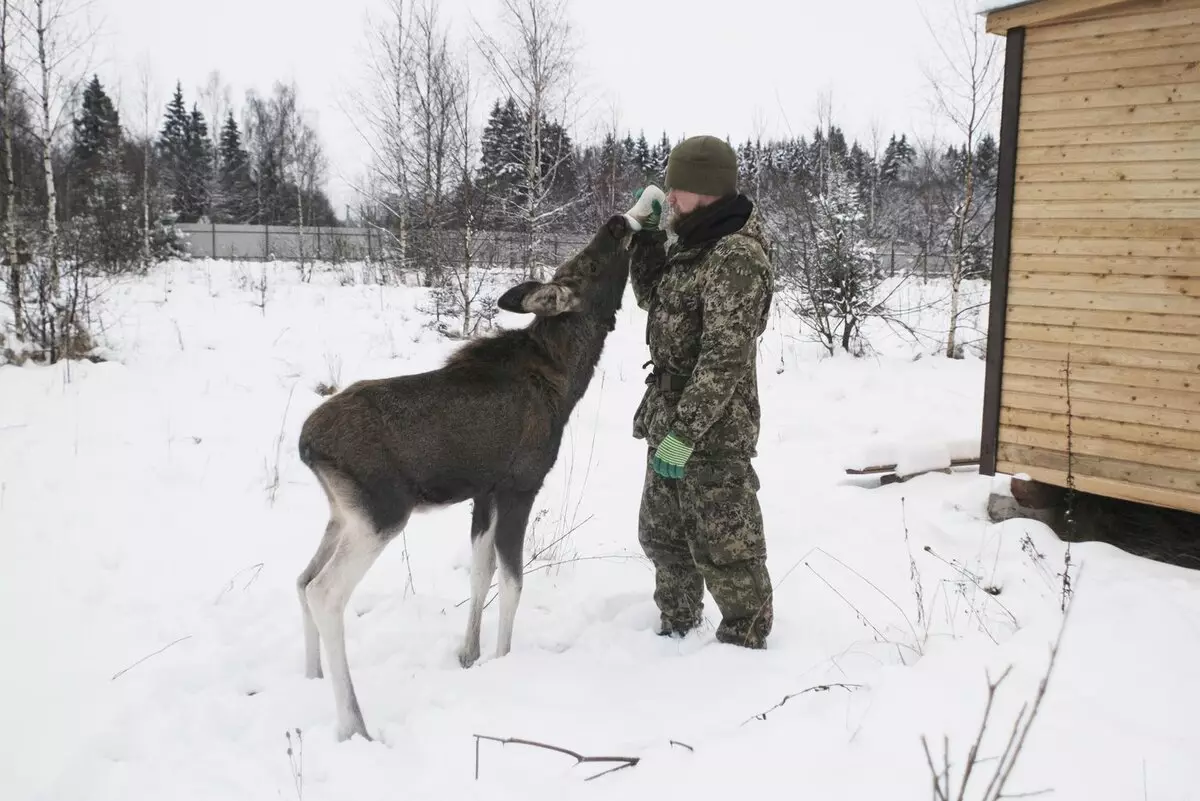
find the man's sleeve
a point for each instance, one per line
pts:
(733, 293)
(648, 258)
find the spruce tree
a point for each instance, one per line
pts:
(236, 196)
(197, 167)
(98, 126)
(101, 204)
(173, 152)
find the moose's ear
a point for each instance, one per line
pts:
(544, 300)
(551, 299)
(513, 299)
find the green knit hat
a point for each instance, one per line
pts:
(705, 165)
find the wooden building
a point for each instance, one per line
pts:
(1094, 324)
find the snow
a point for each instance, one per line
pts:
(988, 6)
(154, 516)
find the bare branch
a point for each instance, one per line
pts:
(624, 762)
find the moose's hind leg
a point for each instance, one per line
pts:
(312, 639)
(357, 544)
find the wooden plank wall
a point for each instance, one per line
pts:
(1105, 261)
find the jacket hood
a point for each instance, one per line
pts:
(756, 230)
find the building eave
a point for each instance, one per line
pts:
(1001, 17)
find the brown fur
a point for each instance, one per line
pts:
(485, 427)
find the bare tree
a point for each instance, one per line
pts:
(466, 273)
(384, 112)
(7, 103)
(433, 97)
(309, 165)
(966, 97)
(59, 68)
(535, 66)
(216, 97)
(147, 155)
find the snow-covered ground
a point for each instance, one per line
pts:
(154, 516)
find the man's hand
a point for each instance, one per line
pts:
(671, 456)
(647, 209)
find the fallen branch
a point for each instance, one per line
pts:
(876, 469)
(626, 762)
(820, 688)
(120, 673)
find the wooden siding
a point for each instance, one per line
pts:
(1105, 259)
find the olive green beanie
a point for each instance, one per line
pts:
(705, 165)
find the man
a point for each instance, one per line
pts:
(707, 294)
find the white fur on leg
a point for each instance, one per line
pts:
(483, 567)
(312, 640)
(357, 549)
(510, 598)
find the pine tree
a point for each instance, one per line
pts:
(502, 146)
(897, 157)
(101, 202)
(197, 167)
(97, 127)
(172, 153)
(662, 153)
(236, 191)
(840, 273)
(642, 160)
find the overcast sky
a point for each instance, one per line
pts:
(726, 67)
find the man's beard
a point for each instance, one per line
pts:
(671, 220)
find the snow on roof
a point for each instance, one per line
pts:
(988, 6)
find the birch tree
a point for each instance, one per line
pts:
(966, 97)
(466, 273)
(7, 103)
(52, 33)
(534, 64)
(383, 110)
(433, 90)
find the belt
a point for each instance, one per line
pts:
(671, 382)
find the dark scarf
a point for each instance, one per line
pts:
(710, 223)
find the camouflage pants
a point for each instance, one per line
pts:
(707, 528)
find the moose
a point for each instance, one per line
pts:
(486, 427)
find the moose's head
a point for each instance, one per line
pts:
(591, 283)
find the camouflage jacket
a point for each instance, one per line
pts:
(707, 299)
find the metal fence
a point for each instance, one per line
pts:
(341, 244)
(266, 242)
(501, 248)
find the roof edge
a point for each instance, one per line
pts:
(1002, 16)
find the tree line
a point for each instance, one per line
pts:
(841, 213)
(98, 195)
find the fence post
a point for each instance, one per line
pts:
(213, 224)
(266, 241)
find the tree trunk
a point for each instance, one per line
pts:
(146, 205)
(47, 163)
(10, 190)
(468, 242)
(957, 258)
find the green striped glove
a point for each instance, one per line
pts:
(671, 456)
(646, 212)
